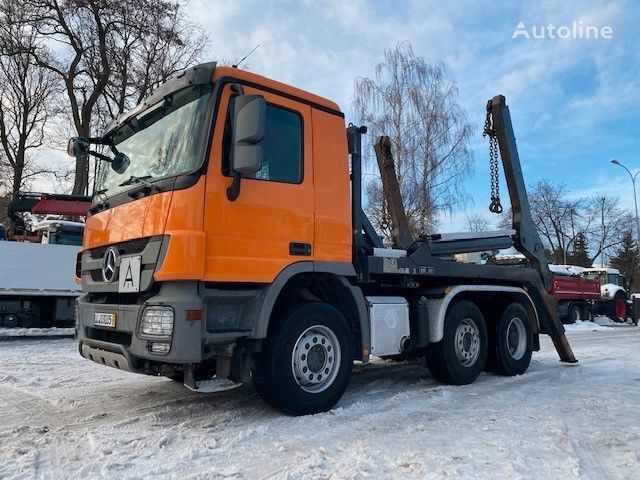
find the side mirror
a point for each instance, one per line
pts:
(248, 131)
(78, 147)
(120, 162)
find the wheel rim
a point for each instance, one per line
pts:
(576, 315)
(516, 338)
(467, 342)
(316, 359)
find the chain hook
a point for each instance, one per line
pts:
(495, 206)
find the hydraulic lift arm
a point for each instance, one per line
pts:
(526, 239)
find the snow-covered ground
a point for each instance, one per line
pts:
(35, 332)
(64, 417)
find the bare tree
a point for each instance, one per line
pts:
(414, 104)
(149, 52)
(476, 222)
(606, 225)
(555, 216)
(570, 228)
(26, 97)
(108, 54)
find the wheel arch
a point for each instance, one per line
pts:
(318, 281)
(489, 307)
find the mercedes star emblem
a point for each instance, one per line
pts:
(109, 265)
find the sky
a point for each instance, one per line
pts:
(574, 102)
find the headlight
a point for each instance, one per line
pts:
(157, 321)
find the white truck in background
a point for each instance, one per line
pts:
(37, 285)
(614, 301)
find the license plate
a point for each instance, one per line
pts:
(105, 320)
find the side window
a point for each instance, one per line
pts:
(282, 146)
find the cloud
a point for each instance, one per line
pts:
(574, 103)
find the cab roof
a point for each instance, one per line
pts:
(261, 81)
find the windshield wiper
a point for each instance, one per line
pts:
(133, 179)
(145, 187)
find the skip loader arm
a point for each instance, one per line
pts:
(526, 241)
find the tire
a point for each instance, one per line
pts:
(10, 321)
(574, 314)
(460, 356)
(586, 313)
(306, 362)
(26, 321)
(512, 342)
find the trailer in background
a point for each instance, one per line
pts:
(37, 282)
(577, 295)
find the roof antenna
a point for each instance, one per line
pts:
(245, 57)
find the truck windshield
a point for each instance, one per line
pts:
(604, 277)
(614, 279)
(66, 238)
(163, 141)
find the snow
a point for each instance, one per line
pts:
(32, 332)
(62, 416)
(600, 324)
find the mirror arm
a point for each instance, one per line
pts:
(233, 191)
(99, 141)
(102, 157)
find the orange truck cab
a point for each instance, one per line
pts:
(177, 272)
(222, 246)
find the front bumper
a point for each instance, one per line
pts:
(125, 348)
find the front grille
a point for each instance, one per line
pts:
(148, 248)
(129, 247)
(111, 336)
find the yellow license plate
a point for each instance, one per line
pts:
(105, 320)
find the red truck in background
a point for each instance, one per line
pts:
(576, 295)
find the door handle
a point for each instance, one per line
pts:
(302, 249)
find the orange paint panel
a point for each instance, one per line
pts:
(332, 189)
(187, 208)
(184, 259)
(221, 72)
(248, 239)
(263, 266)
(144, 217)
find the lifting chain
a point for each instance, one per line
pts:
(495, 206)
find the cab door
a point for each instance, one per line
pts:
(271, 223)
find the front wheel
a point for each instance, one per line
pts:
(306, 362)
(460, 356)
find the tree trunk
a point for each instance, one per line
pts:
(81, 178)
(17, 176)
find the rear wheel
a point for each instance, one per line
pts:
(512, 343)
(26, 321)
(306, 362)
(10, 321)
(460, 356)
(586, 313)
(574, 314)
